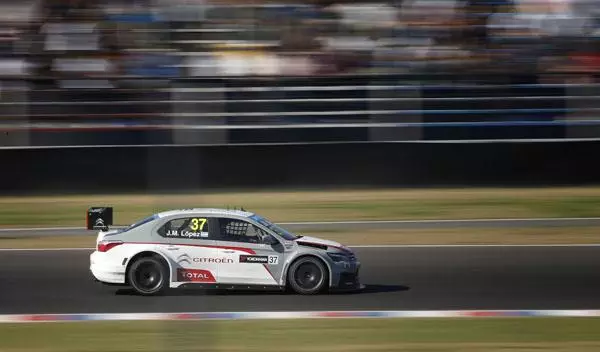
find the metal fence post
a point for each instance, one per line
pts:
(14, 111)
(382, 102)
(581, 104)
(190, 97)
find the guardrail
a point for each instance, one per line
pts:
(358, 108)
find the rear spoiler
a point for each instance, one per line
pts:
(99, 218)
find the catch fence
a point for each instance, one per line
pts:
(254, 110)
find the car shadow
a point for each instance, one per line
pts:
(190, 291)
(205, 292)
(377, 289)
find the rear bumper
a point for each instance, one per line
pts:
(104, 271)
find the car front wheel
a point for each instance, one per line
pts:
(308, 276)
(148, 276)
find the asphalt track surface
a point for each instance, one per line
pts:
(352, 225)
(428, 278)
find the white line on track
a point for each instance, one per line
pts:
(425, 221)
(399, 246)
(348, 222)
(23, 229)
(359, 222)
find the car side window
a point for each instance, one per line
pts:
(186, 228)
(235, 230)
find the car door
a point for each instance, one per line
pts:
(246, 258)
(189, 244)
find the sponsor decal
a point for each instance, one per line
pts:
(260, 259)
(186, 234)
(184, 258)
(194, 275)
(213, 260)
(99, 222)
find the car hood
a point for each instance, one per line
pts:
(322, 242)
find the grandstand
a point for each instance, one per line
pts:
(230, 72)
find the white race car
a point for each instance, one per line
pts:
(216, 248)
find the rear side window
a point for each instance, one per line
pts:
(142, 222)
(186, 227)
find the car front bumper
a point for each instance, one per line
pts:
(347, 277)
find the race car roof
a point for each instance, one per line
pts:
(214, 211)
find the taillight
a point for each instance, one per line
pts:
(105, 246)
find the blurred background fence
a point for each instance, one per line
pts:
(227, 77)
(83, 72)
(224, 110)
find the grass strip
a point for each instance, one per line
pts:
(324, 205)
(477, 334)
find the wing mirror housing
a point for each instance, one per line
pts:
(270, 240)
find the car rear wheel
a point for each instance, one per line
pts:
(148, 276)
(308, 276)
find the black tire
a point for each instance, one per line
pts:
(148, 276)
(308, 276)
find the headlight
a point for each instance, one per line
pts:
(338, 257)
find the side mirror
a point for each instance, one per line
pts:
(270, 240)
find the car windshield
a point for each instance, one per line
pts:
(278, 230)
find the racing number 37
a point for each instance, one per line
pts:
(197, 224)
